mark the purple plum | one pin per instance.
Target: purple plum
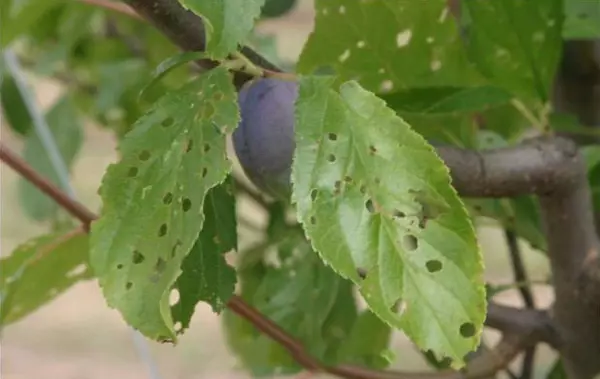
(264, 139)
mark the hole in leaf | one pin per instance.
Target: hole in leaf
(160, 265)
(313, 194)
(399, 214)
(167, 122)
(168, 198)
(144, 155)
(133, 171)
(369, 205)
(348, 179)
(467, 330)
(186, 204)
(433, 265)
(174, 297)
(338, 187)
(189, 145)
(206, 148)
(372, 150)
(331, 158)
(138, 257)
(362, 273)
(119, 266)
(204, 172)
(332, 136)
(401, 308)
(174, 248)
(128, 285)
(162, 230)
(178, 326)
(410, 242)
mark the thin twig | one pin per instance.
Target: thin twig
(520, 276)
(481, 367)
(114, 6)
(75, 208)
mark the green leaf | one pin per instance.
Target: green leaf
(582, 19)
(227, 22)
(445, 100)
(277, 8)
(557, 371)
(388, 45)
(373, 195)
(40, 270)
(153, 198)
(67, 129)
(22, 15)
(516, 44)
(368, 341)
(170, 64)
(284, 292)
(520, 214)
(205, 275)
(13, 106)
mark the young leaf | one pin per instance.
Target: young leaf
(447, 100)
(372, 195)
(40, 270)
(171, 63)
(388, 45)
(517, 43)
(205, 275)
(153, 198)
(13, 106)
(66, 127)
(226, 22)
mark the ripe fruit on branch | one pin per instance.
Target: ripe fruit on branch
(264, 139)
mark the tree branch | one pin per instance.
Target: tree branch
(539, 165)
(529, 327)
(511, 320)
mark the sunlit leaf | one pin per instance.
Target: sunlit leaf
(153, 198)
(372, 195)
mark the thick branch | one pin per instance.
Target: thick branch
(516, 321)
(540, 165)
(572, 247)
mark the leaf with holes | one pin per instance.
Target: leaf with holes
(67, 129)
(388, 45)
(373, 196)
(227, 22)
(517, 43)
(206, 276)
(153, 198)
(40, 270)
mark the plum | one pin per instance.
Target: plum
(264, 139)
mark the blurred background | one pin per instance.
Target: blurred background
(78, 337)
